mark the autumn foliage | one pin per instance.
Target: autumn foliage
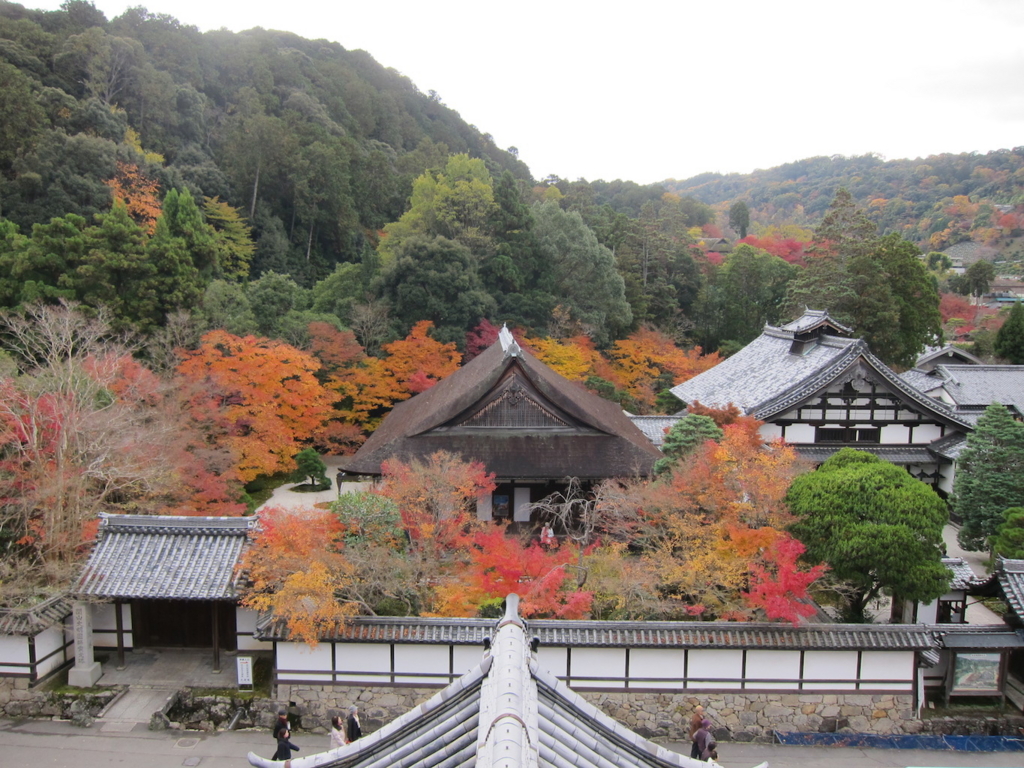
(258, 398)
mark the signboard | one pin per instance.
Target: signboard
(976, 673)
(244, 665)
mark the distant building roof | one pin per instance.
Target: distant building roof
(970, 252)
(654, 427)
(786, 365)
(518, 417)
(165, 557)
(506, 712)
(949, 354)
(975, 387)
(32, 621)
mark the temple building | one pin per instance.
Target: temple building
(527, 424)
(821, 390)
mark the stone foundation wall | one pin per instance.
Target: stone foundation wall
(753, 716)
(17, 700)
(737, 716)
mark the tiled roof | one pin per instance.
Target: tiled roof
(934, 355)
(32, 621)
(963, 576)
(896, 455)
(506, 712)
(921, 380)
(628, 634)
(766, 378)
(654, 427)
(950, 446)
(164, 557)
(978, 386)
(815, 318)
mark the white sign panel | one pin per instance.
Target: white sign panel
(244, 664)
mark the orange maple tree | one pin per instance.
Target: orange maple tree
(419, 361)
(139, 193)
(295, 567)
(260, 399)
(647, 357)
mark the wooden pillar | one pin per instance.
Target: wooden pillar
(216, 635)
(119, 623)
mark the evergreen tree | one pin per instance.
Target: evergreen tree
(878, 528)
(686, 436)
(989, 476)
(1010, 338)
(739, 218)
(1009, 539)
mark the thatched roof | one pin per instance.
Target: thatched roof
(520, 418)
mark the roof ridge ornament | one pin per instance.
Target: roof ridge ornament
(509, 345)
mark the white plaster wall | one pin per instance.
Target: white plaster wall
(48, 641)
(799, 433)
(888, 665)
(105, 618)
(927, 613)
(299, 657)
(656, 663)
(706, 664)
(363, 657)
(927, 433)
(553, 660)
(773, 665)
(895, 434)
(245, 621)
(588, 663)
(466, 657)
(946, 478)
(483, 507)
(521, 505)
(770, 432)
(830, 665)
(423, 659)
(13, 650)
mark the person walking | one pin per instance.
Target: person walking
(284, 745)
(695, 720)
(281, 723)
(704, 741)
(352, 729)
(337, 733)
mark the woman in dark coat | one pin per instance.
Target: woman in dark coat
(284, 746)
(352, 729)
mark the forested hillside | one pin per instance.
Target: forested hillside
(315, 145)
(934, 201)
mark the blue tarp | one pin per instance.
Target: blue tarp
(952, 743)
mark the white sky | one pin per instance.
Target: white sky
(654, 89)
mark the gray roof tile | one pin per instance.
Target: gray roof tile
(978, 386)
(32, 621)
(165, 557)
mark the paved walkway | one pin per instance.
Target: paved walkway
(61, 745)
(977, 613)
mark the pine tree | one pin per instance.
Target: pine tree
(1010, 339)
(989, 476)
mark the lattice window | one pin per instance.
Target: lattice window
(514, 407)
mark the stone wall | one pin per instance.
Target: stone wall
(737, 716)
(753, 716)
(17, 700)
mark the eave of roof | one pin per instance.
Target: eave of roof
(627, 634)
(165, 557)
(406, 431)
(32, 621)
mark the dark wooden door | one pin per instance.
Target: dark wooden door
(182, 623)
